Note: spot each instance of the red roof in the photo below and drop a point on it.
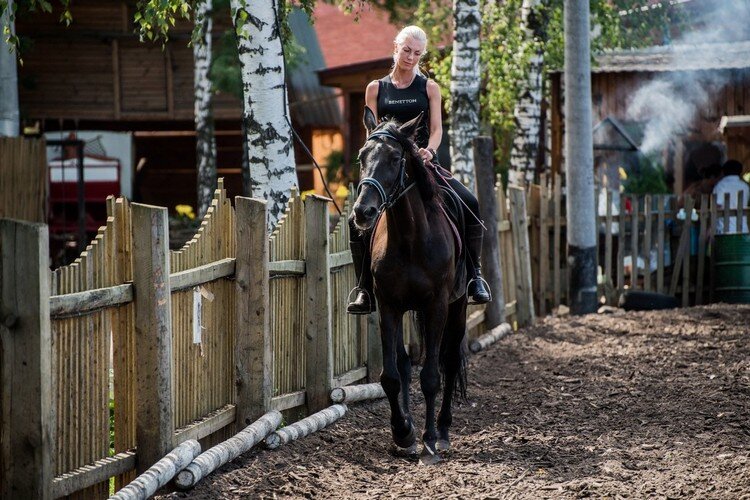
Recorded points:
(345, 41)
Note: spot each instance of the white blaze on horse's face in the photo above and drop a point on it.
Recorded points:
(381, 161)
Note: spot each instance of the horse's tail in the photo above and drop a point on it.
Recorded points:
(453, 356)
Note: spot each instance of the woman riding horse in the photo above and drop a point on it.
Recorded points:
(403, 95)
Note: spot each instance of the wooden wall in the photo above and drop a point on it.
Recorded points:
(98, 69)
(611, 94)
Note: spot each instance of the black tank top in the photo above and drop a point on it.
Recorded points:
(405, 104)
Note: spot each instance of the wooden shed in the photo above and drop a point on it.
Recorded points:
(701, 85)
(97, 75)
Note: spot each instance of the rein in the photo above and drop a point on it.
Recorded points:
(399, 189)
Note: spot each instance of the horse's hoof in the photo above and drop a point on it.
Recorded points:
(407, 441)
(443, 445)
(410, 452)
(429, 455)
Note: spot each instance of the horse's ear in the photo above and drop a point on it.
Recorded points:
(409, 129)
(369, 120)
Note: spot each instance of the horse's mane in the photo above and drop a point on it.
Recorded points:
(424, 179)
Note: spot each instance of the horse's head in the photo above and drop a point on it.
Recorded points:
(383, 160)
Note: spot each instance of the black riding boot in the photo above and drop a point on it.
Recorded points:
(364, 300)
(477, 289)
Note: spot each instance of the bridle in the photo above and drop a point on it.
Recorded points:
(401, 187)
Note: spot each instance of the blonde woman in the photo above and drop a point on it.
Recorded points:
(403, 94)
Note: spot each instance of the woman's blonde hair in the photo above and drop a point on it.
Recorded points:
(417, 34)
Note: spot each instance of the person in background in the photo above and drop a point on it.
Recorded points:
(732, 183)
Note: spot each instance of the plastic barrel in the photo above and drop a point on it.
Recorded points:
(732, 263)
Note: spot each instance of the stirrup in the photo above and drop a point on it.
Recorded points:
(486, 285)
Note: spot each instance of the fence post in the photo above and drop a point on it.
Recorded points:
(374, 347)
(318, 337)
(27, 408)
(253, 348)
(153, 333)
(519, 223)
(484, 169)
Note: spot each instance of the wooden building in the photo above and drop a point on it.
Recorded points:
(708, 82)
(97, 75)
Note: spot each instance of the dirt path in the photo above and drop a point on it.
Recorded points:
(622, 405)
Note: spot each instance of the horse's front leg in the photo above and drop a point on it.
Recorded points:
(404, 370)
(390, 334)
(433, 322)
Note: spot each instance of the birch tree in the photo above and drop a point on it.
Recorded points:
(528, 110)
(205, 153)
(9, 114)
(465, 80)
(265, 103)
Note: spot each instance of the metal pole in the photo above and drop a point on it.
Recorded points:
(579, 162)
(9, 115)
(81, 199)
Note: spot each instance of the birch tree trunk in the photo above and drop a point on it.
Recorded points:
(205, 154)
(528, 110)
(9, 115)
(465, 79)
(579, 161)
(266, 109)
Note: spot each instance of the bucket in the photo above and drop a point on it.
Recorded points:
(732, 267)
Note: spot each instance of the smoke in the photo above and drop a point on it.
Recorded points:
(668, 104)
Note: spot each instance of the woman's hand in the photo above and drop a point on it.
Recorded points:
(425, 154)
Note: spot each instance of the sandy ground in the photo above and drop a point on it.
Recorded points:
(624, 405)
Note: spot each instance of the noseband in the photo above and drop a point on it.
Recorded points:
(400, 189)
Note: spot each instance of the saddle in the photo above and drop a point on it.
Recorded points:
(453, 211)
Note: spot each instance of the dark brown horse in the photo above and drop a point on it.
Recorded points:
(413, 262)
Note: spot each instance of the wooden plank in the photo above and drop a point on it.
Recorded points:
(647, 241)
(340, 259)
(253, 348)
(28, 415)
(153, 328)
(689, 203)
(350, 377)
(557, 240)
(280, 268)
(543, 246)
(726, 212)
(374, 348)
(475, 319)
(73, 304)
(318, 335)
(740, 211)
(202, 274)
(288, 401)
(116, 90)
(608, 250)
(621, 248)
(519, 221)
(485, 172)
(89, 475)
(714, 217)
(206, 426)
(634, 243)
(504, 225)
(660, 243)
(702, 242)
(683, 248)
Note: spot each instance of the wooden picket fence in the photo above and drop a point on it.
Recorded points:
(149, 347)
(672, 251)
